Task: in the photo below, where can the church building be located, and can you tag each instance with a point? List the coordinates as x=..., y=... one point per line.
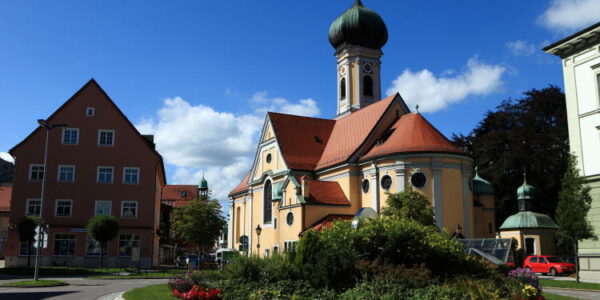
x=308, y=172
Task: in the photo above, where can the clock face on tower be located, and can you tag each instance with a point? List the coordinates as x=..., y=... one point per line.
x=343, y=70
x=368, y=68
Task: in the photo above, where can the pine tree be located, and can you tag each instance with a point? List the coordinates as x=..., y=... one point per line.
x=572, y=209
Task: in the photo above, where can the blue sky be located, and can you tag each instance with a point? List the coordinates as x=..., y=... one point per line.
x=201, y=74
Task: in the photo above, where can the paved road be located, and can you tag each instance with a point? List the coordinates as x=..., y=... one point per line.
x=574, y=293
x=79, y=289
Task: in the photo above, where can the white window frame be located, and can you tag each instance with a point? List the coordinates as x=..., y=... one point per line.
x=102, y=201
x=70, y=207
x=31, y=171
x=125, y=169
x=89, y=238
x=62, y=139
x=28, y=201
x=59, y=170
x=88, y=109
x=100, y=131
x=54, y=243
x=137, y=209
x=112, y=177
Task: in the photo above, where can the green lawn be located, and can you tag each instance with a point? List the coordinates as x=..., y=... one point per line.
x=569, y=284
x=151, y=292
x=153, y=275
x=62, y=271
x=34, y=283
x=557, y=297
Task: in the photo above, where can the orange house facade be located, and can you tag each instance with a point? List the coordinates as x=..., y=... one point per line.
x=97, y=163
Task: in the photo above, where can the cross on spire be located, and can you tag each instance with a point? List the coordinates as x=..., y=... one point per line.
x=417, y=107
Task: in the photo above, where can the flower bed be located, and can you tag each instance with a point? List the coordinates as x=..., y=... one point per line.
x=191, y=287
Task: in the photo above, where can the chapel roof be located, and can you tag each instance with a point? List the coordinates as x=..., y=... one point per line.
x=326, y=192
x=411, y=133
x=242, y=186
x=328, y=220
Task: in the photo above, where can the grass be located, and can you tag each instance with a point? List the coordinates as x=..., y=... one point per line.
x=66, y=271
x=569, y=284
x=34, y=283
x=151, y=292
x=557, y=297
x=144, y=275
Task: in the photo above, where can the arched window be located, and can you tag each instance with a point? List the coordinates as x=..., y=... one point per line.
x=368, y=85
x=343, y=89
x=237, y=224
x=267, y=210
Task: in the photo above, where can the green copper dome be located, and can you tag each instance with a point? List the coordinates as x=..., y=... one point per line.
x=203, y=184
x=525, y=191
x=528, y=219
x=481, y=186
x=358, y=26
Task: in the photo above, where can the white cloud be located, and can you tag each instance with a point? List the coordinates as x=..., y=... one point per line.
x=304, y=107
x=196, y=139
x=433, y=93
x=568, y=15
x=7, y=157
x=521, y=48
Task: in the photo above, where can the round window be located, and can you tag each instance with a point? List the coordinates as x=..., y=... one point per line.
x=269, y=158
x=290, y=218
x=365, y=186
x=386, y=182
x=418, y=180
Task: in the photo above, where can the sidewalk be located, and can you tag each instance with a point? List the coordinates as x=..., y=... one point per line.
x=579, y=294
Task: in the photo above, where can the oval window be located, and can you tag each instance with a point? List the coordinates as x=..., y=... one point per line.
x=386, y=182
x=290, y=218
x=365, y=186
x=269, y=158
x=418, y=180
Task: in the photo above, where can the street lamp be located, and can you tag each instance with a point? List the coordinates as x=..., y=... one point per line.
x=258, y=231
x=44, y=124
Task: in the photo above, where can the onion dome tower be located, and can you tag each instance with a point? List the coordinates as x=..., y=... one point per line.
x=203, y=187
x=358, y=36
x=481, y=186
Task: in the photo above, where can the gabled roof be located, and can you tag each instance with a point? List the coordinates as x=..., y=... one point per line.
x=241, y=187
x=351, y=131
x=92, y=84
x=411, y=133
x=301, y=139
x=173, y=193
x=5, y=195
x=326, y=192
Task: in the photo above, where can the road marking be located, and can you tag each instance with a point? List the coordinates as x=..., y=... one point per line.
x=113, y=296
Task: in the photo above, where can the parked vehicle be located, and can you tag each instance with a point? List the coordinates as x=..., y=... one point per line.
x=192, y=261
x=551, y=265
x=224, y=255
x=179, y=261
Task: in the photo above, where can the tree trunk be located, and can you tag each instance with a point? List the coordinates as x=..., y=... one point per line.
x=101, y=254
x=28, y=254
x=577, y=261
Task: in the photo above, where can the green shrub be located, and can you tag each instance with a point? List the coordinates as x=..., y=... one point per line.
x=269, y=269
x=399, y=275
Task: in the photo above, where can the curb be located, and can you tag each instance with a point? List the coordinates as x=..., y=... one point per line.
x=569, y=289
x=113, y=296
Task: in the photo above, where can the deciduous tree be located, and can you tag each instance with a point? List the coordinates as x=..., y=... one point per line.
x=103, y=229
x=199, y=223
x=410, y=205
x=26, y=230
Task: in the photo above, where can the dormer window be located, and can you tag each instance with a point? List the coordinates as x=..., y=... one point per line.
x=90, y=111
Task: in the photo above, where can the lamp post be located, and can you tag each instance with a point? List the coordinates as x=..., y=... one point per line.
x=258, y=231
x=43, y=123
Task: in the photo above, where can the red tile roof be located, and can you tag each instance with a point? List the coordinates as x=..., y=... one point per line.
x=242, y=187
x=301, y=139
x=326, y=192
x=412, y=133
x=351, y=131
x=328, y=220
x=173, y=194
x=5, y=195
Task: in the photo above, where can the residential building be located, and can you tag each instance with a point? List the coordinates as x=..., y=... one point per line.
x=97, y=163
x=309, y=172
x=580, y=60
x=5, y=193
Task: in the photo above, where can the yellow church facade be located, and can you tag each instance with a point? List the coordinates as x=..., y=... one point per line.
x=308, y=172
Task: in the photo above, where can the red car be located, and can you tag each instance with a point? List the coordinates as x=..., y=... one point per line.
x=551, y=265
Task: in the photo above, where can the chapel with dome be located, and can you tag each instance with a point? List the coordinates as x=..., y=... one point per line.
x=534, y=232
x=308, y=172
